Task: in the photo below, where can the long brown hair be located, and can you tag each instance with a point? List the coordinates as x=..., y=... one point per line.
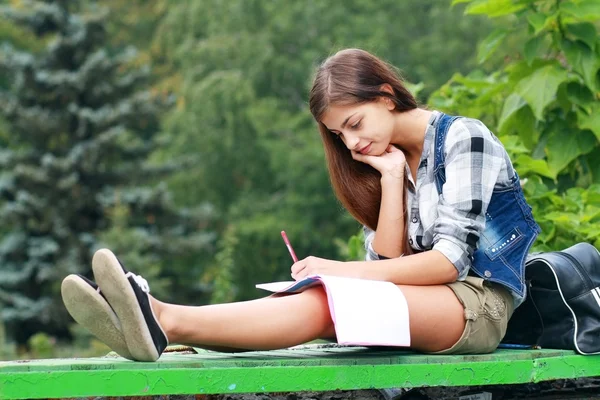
x=352, y=77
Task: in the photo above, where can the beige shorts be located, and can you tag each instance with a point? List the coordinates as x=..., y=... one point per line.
x=488, y=307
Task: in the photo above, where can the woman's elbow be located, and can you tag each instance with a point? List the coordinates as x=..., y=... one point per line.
x=450, y=274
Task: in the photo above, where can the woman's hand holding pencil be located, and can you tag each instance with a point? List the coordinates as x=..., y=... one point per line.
x=314, y=265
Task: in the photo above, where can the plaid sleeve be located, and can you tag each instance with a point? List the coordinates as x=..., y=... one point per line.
x=474, y=159
x=370, y=255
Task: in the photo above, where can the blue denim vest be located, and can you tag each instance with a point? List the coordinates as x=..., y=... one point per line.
x=509, y=231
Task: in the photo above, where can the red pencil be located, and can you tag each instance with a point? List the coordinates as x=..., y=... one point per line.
x=289, y=246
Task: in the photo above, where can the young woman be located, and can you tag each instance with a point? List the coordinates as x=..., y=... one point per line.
x=443, y=213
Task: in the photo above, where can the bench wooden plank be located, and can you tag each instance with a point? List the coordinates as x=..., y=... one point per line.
x=283, y=371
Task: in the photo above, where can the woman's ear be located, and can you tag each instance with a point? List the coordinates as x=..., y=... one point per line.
x=386, y=87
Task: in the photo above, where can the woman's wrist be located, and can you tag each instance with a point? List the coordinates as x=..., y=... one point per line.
x=392, y=178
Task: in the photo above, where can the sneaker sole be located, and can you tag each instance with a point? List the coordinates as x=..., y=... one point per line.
x=89, y=309
x=119, y=293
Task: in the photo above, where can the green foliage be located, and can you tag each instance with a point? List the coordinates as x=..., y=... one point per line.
x=567, y=217
x=42, y=345
x=221, y=275
x=133, y=23
x=75, y=172
x=244, y=70
x=543, y=104
x=83, y=111
x=21, y=38
x=6, y=348
x=354, y=248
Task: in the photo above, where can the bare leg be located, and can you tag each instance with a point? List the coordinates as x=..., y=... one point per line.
x=436, y=320
x=263, y=324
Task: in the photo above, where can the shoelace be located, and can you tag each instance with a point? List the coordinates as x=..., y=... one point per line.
x=142, y=283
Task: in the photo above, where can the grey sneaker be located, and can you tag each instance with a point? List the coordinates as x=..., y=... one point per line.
x=128, y=295
x=88, y=307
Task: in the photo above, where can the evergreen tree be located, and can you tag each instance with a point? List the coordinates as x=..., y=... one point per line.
x=76, y=171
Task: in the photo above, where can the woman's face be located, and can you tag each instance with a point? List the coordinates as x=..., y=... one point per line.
x=364, y=128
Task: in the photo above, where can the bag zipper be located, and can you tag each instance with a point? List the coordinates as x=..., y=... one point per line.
x=579, y=269
x=539, y=314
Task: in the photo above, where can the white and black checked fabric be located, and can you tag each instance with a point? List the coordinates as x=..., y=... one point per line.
x=452, y=222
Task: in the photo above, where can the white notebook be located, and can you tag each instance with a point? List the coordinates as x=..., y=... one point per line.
x=365, y=312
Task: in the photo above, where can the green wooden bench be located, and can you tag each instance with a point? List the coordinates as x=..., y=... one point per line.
x=314, y=368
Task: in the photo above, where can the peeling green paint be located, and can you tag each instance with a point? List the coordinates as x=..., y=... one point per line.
x=283, y=371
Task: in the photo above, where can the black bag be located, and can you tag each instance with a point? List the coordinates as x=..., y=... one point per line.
x=562, y=308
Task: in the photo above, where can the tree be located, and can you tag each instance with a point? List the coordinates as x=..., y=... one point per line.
x=76, y=174
x=245, y=69
x=543, y=104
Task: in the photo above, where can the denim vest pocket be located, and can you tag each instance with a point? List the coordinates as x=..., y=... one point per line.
x=506, y=239
x=504, y=244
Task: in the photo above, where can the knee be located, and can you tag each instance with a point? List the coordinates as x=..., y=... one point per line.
x=318, y=297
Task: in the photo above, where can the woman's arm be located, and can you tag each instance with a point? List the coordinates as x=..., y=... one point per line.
x=474, y=160
x=389, y=238
x=426, y=268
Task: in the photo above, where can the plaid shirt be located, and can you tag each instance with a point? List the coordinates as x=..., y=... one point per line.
x=476, y=162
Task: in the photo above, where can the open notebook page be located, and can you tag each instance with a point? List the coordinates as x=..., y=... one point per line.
x=365, y=312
